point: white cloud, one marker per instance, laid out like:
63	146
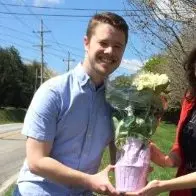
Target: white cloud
46	2
127	67
131	65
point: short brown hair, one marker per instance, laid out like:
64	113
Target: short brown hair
109	18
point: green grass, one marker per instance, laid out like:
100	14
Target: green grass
164	138
10	191
11	115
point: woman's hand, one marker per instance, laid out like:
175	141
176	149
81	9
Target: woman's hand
159	157
153	188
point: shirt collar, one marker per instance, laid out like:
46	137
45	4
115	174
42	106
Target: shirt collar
81	75
84	78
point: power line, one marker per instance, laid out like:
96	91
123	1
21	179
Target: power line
27	41
29	10
16	30
78	9
56	42
16	17
58	8
72	47
23	46
29	35
54	15
70	15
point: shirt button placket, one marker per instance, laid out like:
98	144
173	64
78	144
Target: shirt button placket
91	123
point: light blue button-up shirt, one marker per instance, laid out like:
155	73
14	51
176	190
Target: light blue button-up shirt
69	112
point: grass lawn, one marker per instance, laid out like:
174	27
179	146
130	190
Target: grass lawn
163	137
9	192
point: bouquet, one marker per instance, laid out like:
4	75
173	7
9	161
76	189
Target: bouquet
137	112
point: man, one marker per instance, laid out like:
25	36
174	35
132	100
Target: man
68	123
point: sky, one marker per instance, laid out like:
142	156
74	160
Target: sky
63	34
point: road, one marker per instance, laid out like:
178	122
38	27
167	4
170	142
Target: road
12	150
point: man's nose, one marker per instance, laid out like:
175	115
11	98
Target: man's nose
108	50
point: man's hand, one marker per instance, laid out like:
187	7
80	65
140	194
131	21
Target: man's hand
100	183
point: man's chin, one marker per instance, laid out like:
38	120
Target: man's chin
104	72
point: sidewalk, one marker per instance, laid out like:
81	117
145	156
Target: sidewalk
10	137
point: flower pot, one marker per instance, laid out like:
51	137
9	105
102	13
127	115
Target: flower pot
132	165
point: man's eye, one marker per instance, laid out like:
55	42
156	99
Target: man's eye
118	46
103	44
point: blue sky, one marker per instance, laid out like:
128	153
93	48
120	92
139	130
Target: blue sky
66	32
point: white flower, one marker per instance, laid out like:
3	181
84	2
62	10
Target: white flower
150	80
140	121
129	110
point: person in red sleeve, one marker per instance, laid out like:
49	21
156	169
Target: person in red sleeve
183	152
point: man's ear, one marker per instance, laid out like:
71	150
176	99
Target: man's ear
86	43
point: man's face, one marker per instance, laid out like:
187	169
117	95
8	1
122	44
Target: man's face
105	49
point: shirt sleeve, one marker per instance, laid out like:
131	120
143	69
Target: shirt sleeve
175	147
185	111
41	118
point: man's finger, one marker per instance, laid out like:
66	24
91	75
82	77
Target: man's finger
132	194
112	190
109	168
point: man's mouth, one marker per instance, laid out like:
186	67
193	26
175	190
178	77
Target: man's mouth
106	60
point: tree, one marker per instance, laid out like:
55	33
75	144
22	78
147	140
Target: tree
159	23
169	28
32	79
122	81
12	74
156	64
18	81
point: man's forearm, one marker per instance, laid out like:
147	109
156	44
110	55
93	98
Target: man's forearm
49	168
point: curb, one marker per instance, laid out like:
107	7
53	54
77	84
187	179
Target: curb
7	134
6	185
6	128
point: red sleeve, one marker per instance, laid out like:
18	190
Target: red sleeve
175	148
187	105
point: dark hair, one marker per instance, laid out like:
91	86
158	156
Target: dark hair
190	71
109	18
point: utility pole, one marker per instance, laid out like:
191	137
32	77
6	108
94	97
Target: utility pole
68	60
36	76
42	50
